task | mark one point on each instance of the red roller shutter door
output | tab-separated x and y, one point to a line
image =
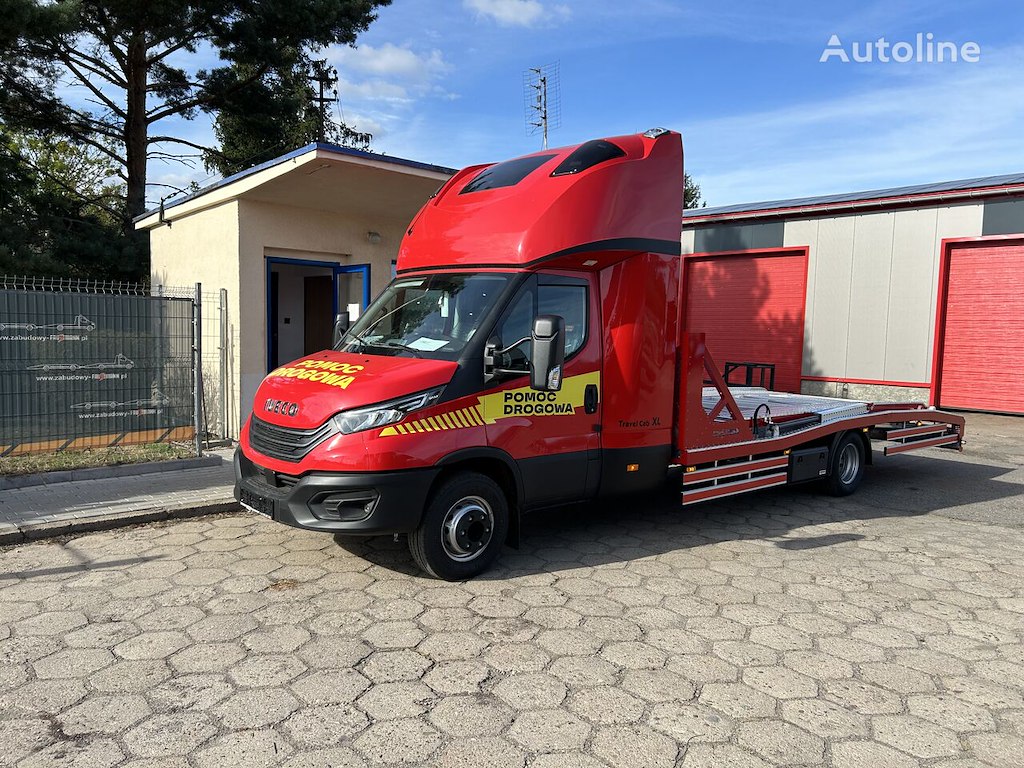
982	352
752	309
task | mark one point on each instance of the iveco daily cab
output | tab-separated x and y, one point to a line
530	352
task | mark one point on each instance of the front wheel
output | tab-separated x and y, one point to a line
463	528
846	465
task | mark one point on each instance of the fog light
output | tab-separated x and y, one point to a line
346	506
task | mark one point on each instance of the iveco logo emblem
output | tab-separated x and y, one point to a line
281	406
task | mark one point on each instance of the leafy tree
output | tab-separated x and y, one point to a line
691	193
140	63
61	211
279	111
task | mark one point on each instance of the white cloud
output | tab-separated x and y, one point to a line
390	61
373	90
516	13
367	123
929	124
379	86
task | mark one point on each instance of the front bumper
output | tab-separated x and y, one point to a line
336	502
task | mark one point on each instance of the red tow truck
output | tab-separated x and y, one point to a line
529	353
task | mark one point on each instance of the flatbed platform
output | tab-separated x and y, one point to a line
740	438
784	405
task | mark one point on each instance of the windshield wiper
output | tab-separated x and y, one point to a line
355	336
388	344
386	315
398	345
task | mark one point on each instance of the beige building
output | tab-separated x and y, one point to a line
293	241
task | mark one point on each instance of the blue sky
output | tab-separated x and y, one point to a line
762	118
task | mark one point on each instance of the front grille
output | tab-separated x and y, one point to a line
271	480
286	443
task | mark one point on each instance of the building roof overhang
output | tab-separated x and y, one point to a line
318	176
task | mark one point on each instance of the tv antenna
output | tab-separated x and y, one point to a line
542	98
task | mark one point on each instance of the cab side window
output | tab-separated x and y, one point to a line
567	300
515	325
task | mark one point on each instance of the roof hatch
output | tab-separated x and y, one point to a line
587	155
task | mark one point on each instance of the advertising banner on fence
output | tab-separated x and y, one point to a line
81	370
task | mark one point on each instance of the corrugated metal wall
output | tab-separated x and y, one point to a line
871	290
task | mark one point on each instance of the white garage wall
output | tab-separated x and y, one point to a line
801	233
831	285
869	295
912	286
872	290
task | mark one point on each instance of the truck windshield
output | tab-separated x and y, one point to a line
432	316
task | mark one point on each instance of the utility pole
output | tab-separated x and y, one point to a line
324	77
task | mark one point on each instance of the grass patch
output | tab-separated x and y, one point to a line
93	457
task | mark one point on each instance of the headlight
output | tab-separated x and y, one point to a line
382	414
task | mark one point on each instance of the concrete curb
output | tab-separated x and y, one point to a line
13	533
104	473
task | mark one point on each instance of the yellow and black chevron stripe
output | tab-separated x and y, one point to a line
461	418
503	404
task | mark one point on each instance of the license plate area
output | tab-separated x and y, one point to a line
256	503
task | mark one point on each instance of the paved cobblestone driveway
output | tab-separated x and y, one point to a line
786	628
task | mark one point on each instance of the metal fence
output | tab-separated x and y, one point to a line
94	364
217	345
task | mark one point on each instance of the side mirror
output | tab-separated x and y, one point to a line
547	353
341	323
491	360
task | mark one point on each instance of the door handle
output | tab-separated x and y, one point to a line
590	399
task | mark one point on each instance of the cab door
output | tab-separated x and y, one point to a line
553	436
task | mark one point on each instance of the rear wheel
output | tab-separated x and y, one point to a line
463	528
846	465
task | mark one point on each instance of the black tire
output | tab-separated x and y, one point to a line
846	465
463	528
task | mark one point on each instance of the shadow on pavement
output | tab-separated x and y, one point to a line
813	542
622	529
88	565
